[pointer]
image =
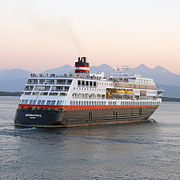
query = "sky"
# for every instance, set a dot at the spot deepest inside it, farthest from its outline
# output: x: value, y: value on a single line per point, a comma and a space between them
x: 37, y: 35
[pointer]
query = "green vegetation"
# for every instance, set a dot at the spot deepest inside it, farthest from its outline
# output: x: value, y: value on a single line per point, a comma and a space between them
x: 5, y: 93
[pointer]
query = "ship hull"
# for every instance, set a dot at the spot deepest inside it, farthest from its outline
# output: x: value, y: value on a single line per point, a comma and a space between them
x: 78, y: 118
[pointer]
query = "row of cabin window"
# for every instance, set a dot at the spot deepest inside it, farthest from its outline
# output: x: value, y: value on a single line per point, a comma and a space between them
x: 91, y: 83
x: 82, y: 95
x: 112, y: 103
x: 47, y: 88
x: 86, y: 103
x: 43, y: 102
x: 45, y: 93
x: 49, y: 81
x: 61, y: 102
x: 87, y: 83
x: 139, y: 103
x: 91, y: 89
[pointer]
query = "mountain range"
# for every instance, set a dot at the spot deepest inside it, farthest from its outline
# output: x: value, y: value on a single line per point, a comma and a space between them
x: 14, y: 79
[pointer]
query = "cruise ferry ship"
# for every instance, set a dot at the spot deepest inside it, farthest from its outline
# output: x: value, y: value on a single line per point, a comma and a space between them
x: 85, y: 99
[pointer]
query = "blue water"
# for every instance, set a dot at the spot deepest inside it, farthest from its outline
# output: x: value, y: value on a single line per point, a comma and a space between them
x: 136, y: 151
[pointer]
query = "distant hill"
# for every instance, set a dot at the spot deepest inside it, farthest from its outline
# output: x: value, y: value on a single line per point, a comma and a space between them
x: 159, y: 74
x: 66, y: 69
x: 14, y: 79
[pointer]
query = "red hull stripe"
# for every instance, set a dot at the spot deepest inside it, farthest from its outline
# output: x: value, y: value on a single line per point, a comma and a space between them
x: 81, y: 70
x: 71, y: 107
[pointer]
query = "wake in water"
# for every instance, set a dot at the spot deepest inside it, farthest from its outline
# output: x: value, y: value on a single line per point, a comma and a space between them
x: 152, y: 120
x: 16, y: 131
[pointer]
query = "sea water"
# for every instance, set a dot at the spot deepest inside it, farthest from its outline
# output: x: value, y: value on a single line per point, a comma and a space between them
x: 134, y: 151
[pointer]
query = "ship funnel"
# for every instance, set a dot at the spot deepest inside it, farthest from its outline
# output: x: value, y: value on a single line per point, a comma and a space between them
x: 81, y: 66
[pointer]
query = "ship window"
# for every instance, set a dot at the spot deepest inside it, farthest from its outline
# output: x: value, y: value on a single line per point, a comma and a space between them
x: 35, y: 93
x: 95, y: 84
x: 53, y: 102
x: 24, y: 101
x: 28, y: 88
x: 41, y: 81
x: 42, y: 88
x: 44, y: 93
x: 48, y: 102
x: 60, y: 102
x: 69, y: 82
x: 53, y: 94
x: 32, y: 101
x: 50, y: 81
x: 27, y: 93
x: 63, y: 94
x: 79, y: 82
x: 66, y: 88
x: 83, y: 83
x: 35, y: 81
x: 87, y: 83
x: 57, y: 88
x: 39, y: 102
x: 32, y: 81
x: 61, y: 81
x: 29, y: 81
x: 42, y: 102
x: 90, y: 83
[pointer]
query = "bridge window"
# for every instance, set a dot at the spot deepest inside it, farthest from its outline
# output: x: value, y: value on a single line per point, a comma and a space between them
x: 44, y: 93
x: 42, y: 88
x: 41, y: 81
x: 35, y: 93
x: 50, y: 81
x: 61, y: 81
x: 28, y: 88
x: 27, y: 93
x: 53, y: 94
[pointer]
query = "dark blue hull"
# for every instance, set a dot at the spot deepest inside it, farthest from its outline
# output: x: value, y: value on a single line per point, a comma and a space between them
x: 53, y: 118
x: 38, y: 117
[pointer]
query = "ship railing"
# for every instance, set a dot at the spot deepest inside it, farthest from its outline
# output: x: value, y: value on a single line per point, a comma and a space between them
x: 32, y: 76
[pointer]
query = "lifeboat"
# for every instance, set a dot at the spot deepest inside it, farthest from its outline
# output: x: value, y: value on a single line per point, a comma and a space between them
x: 108, y: 95
x: 117, y: 92
x: 129, y: 92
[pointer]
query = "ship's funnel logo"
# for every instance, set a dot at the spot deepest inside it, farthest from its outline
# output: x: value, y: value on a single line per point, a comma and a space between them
x: 81, y: 66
